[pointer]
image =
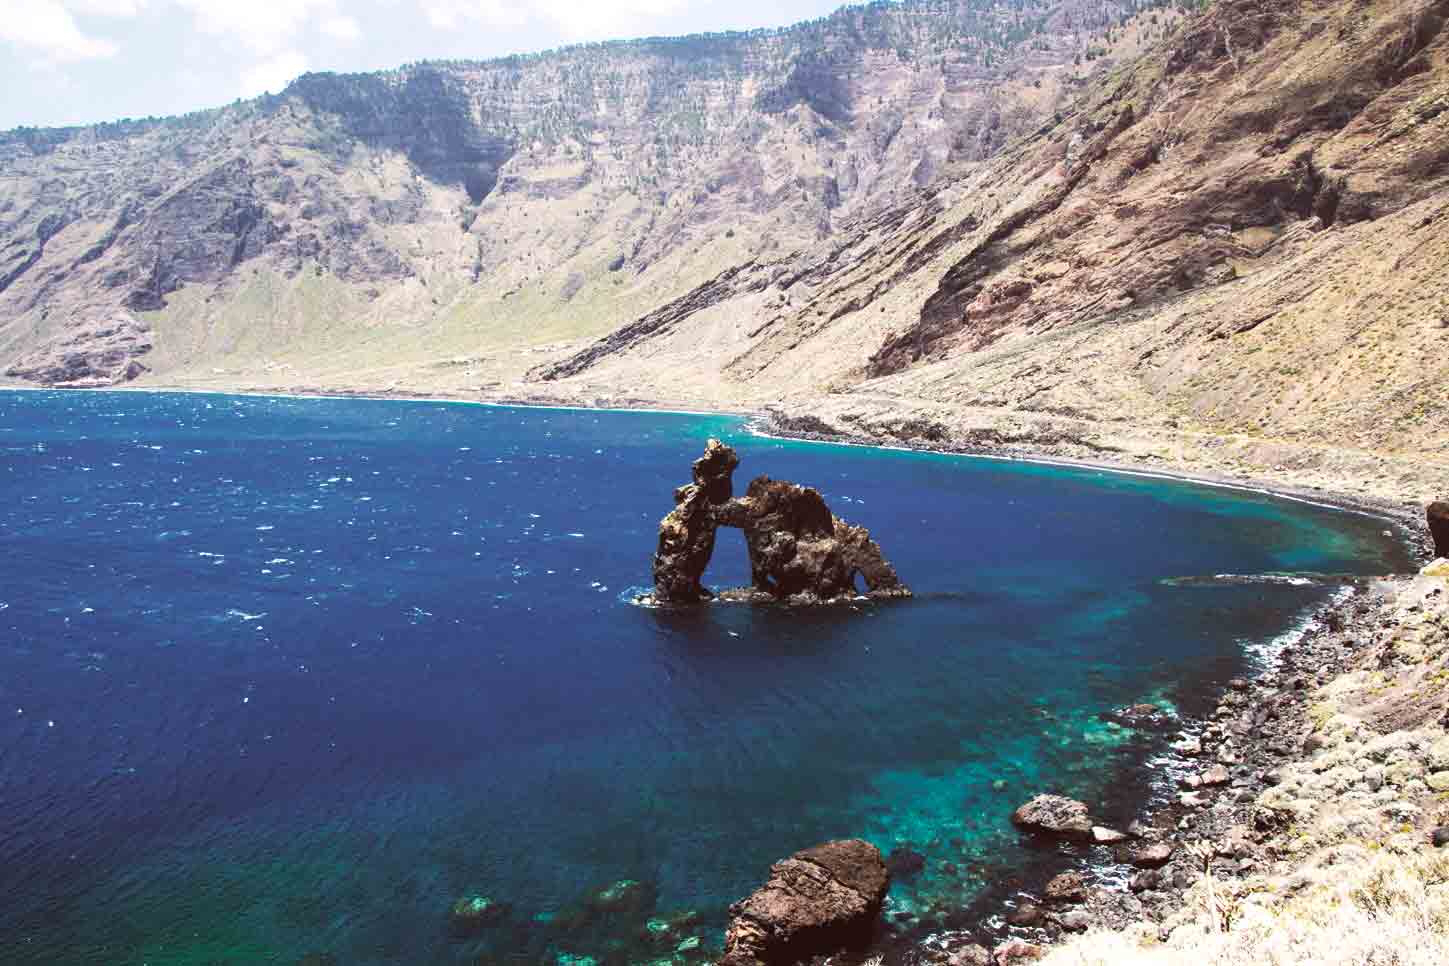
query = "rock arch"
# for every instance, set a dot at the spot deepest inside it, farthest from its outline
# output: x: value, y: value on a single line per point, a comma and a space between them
x: 798, y: 549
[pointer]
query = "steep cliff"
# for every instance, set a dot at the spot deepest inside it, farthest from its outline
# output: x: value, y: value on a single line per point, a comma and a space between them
x: 441, y: 222
x: 1232, y: 249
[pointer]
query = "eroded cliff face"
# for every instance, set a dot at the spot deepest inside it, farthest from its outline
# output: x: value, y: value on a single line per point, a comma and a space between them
x: 433, y: 220
x: 1239, y: 236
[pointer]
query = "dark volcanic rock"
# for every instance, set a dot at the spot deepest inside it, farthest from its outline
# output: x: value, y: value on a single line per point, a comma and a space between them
x: 91, y: 351
x: 1153, y: 856
x: 816, y: 902
x: 798, y: 548
x: 686, y: 535
x: 1438, y: 514
x: 904, y: 863
x: 1066, y: 887
x: 1025, y: 914
x: 1145, y: 716
x: 1055, y: 816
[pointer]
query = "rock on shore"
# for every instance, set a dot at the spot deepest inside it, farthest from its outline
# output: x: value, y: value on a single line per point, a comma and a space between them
x: 815, y: 903
x: 1054, y: 816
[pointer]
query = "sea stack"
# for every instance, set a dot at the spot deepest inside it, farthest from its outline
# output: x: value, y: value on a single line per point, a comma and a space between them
x: 799, y: 550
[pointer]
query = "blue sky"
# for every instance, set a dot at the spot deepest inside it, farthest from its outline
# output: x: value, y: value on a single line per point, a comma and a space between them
x: 81, y: 61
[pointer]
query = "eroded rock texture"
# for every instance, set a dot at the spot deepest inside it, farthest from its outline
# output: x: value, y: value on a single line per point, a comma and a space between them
x: 1438, y: 515
x: 816, y: 902
x: 686, y: 536
x: 1054, y: 816
x: 798, y: 549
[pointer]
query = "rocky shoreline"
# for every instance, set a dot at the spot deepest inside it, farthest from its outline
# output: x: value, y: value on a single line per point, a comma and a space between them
x: 1223, y: 812
x: 1407, y: 518
x: 1288, y: 768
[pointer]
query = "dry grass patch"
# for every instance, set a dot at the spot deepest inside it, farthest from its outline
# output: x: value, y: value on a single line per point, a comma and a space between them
x: 1393, y: 910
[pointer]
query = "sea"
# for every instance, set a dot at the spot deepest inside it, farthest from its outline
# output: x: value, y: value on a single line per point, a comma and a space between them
x: 284, y: 680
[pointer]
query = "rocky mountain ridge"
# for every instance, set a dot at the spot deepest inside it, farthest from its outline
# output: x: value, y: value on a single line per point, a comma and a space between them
x: 1232, y: 247
x: 463, y: 210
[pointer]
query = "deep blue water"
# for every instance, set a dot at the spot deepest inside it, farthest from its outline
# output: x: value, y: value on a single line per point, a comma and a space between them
x: 284, y: 676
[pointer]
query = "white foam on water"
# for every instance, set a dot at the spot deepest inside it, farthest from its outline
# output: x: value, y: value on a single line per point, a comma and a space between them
x: 242, y: 615
x: 267, y: 527
x: 579, y: 535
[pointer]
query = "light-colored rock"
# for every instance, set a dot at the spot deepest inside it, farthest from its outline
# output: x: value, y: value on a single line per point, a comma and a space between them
x: 1054, y: 815
x: 1215, y: 776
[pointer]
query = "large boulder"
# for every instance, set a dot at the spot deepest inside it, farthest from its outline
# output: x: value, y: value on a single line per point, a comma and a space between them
x: 815, y: 903
x: 1054, y: 816
x: 1438, y: 514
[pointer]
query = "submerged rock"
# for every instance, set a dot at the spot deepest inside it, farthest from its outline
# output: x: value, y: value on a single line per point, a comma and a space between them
x: 815, y: 903
x: 1055, y: 816
x: 905, y: 863
x: 470, y: 915
x: 1141, y: 716
x: 628, y: 897
x: 798, y: 549
x: 1438, y: 518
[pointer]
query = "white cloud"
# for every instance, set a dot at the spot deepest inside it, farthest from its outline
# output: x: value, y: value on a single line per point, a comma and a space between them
x: 107, y: 8
x: 47, y: 28
x: 342, y: 28
x: 273, y: 74
x: 264, y: 26
x: 592, y: 20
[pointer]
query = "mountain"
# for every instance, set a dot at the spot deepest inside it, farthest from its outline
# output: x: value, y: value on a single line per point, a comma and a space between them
x: 1211, y: 239
x: 1229, y: 254
x: 439, y: 225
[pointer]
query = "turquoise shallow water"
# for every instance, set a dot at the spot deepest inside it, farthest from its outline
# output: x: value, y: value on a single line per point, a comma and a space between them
x: 285, y: 676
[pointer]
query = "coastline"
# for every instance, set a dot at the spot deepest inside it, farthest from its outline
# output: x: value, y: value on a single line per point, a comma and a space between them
x: 767, y: 423
x: 1327, y: 648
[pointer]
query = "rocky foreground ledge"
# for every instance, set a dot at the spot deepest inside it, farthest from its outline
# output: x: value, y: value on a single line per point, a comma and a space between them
x: 1310, y: 823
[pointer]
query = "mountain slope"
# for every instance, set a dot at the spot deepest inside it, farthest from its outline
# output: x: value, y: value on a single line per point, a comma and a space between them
x: 439, y: 223
x: 1233, y: 250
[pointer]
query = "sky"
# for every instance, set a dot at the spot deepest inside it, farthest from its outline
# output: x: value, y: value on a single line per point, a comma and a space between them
x: 82, y: 61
